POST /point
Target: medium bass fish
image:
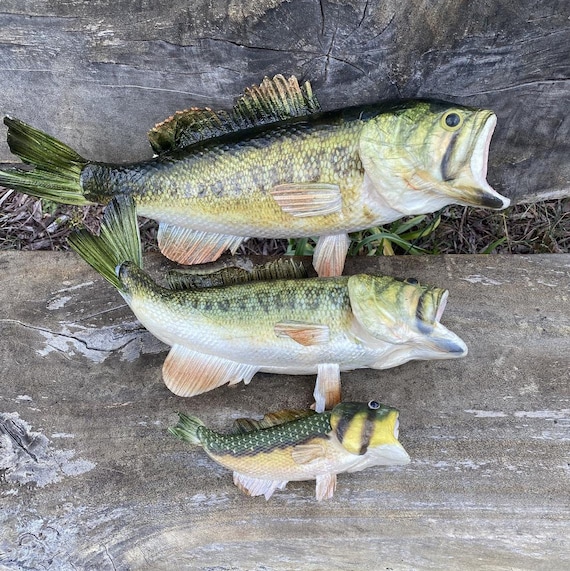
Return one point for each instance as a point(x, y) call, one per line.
point(277, 167)
point(226, 334)
point(301, 445)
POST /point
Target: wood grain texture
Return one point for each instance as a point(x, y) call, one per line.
point(94, 481)
point(99, 74)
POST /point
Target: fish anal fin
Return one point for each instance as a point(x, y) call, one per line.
point(327, 387)
point(307, 453)
point(305, 199)
point(188, 373)
point(303, 333)
point(330, 254)
point(187, 246)
point(257, 486)
point(326, 485)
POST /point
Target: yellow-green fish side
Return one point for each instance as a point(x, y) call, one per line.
point(225, 186)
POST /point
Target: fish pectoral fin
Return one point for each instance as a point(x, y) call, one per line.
point(307, 453)
point(327, 388)
point(187, 246)
point(302, 332)
point(257, 486)
point(306, 199)
point(326, 485)
point(330, 255)
point(187, 373)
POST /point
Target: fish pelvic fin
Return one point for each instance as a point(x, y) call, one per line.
point(326, 485)
point(257, 486)
point(118, 241)
point(327, 391)
point(330, 255)
point(188, 429)
point(56, 173)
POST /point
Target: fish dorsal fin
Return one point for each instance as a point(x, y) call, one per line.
point(187, 246)
point(243, 425)
point(188, 373)
point(257, 486)
point(303, 333)
point(187, 127)
point(273, 100)
point(234, 271)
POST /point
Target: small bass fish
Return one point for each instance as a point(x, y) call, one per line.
point(301, 172)
point(226, 334)
point(301, 445)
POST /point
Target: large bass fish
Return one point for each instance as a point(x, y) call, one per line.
point(301, 445)
point(226, 334)
point(277, 167)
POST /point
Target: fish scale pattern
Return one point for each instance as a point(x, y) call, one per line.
point(266, 440)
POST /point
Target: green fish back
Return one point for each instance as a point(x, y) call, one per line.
point(253, 442)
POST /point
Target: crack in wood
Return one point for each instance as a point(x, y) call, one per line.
point(19, 436)
point(65, 335)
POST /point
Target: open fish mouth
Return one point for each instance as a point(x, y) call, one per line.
point(476, 191)
point(446, 339)
point(479, 163)
point(441, 306)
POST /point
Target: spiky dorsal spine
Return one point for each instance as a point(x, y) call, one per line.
point(232, 272)
point(273, 100)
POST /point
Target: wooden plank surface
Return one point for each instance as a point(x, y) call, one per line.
point(99, 74)
point(90, 478)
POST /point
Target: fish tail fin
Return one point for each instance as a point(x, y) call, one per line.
point(187, 429)
point(57, 168)
point(118, 241)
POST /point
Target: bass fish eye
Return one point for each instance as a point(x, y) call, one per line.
point(451, 121)
point(373, 405)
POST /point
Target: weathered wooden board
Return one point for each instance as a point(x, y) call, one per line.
point(99, 74)
point(99, 484)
